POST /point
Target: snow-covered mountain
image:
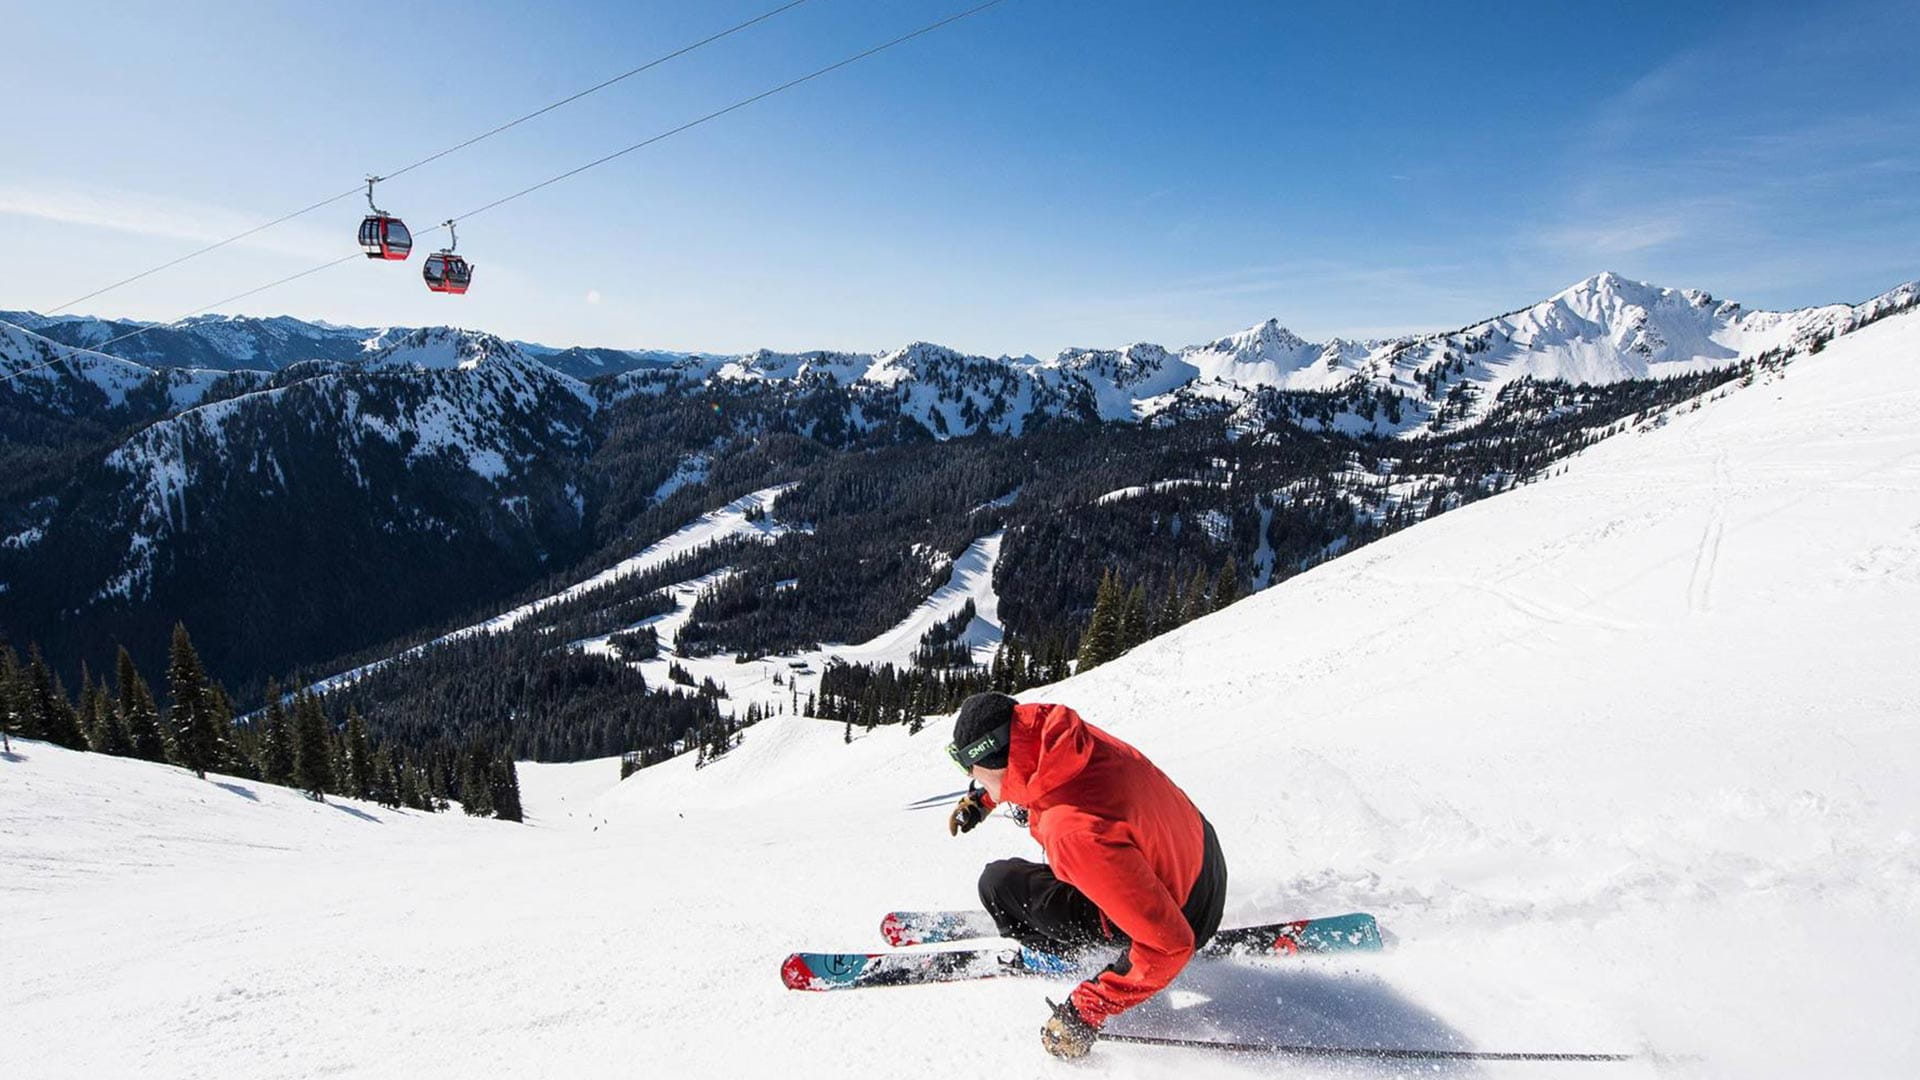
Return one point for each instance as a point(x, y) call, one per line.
point(239, 342)
point(1623, 761)
point(68, 382)
point(1116, 384)
point(1271, 355)
point(1603, 330)
point(1606, 329)
point(441, 463)
point(219, 342)
point(135, 492)
point(465, 401)
point(588, 362)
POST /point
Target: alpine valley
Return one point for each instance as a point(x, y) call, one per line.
point(409, 513)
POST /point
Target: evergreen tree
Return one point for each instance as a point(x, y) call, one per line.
point(337, 761)
point(997, 676)
point(1016, 666)
point(359, 758)
point(118, 741)
point(1226, 587)
point(386, 771)
point(411, 795)
point(917, 707)
point(49, 715)
point(1101, 642)
point(312, 746)
point(138, 711)
point(1170, 610)
point(26, 706)
point(276, 748)
point(437, 794)
point(476, 782)
point(12, 711)
point(230, 757)
point(505, 789)
point(1133, 618)
point(105, 730)
point(197, 742)
point(90, 720)
point(1195, 602)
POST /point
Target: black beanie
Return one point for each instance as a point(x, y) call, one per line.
point(979, 715)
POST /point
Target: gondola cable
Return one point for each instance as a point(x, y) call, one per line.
point(430, 158)
point(716, 114)
point(741, 104)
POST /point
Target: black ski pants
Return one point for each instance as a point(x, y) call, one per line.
point(1040, 911)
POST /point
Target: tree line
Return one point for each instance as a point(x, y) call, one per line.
point(295, 742)
point(1124, 617)
point(869, 695)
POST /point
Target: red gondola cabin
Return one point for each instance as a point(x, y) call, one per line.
point(385, 237)
point(446, 272)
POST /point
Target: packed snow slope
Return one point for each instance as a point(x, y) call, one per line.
point(1624, 758)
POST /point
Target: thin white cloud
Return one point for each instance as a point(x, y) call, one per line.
point(1601, 240)
point(142, 214)
point(1713, 161)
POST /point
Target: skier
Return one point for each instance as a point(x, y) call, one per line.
point(1130, 862)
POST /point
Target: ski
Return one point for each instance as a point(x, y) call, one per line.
point(1356, 932)
point(1334, 933)
point(934, 927)
point(845, 971)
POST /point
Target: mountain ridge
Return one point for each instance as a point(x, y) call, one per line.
point(1602, 329)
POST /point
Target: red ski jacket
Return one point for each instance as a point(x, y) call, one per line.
point(1117, 829)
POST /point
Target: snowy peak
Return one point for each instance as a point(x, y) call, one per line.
point(768, 365)
point(1608, 328)
point(1637, 319)
point(444, 348)
point(1607, 290)
point(1267, 338)
point(1270, 355)
point(1148, 370)
point(1113, 384)
point(921, 360)
point(1266, 344)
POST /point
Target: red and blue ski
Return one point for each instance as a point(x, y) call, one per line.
point(1334, 933)
point(843, 971)
point(932, 927)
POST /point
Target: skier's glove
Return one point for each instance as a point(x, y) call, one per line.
point(971, 810)
point(1067, 1034)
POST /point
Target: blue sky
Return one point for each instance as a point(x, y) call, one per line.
point(1049, 173)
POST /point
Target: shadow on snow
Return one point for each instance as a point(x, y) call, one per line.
point(1251, 1001)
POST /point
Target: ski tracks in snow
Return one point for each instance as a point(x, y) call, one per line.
point(1706, 558)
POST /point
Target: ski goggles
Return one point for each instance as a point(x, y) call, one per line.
point(983, 747)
